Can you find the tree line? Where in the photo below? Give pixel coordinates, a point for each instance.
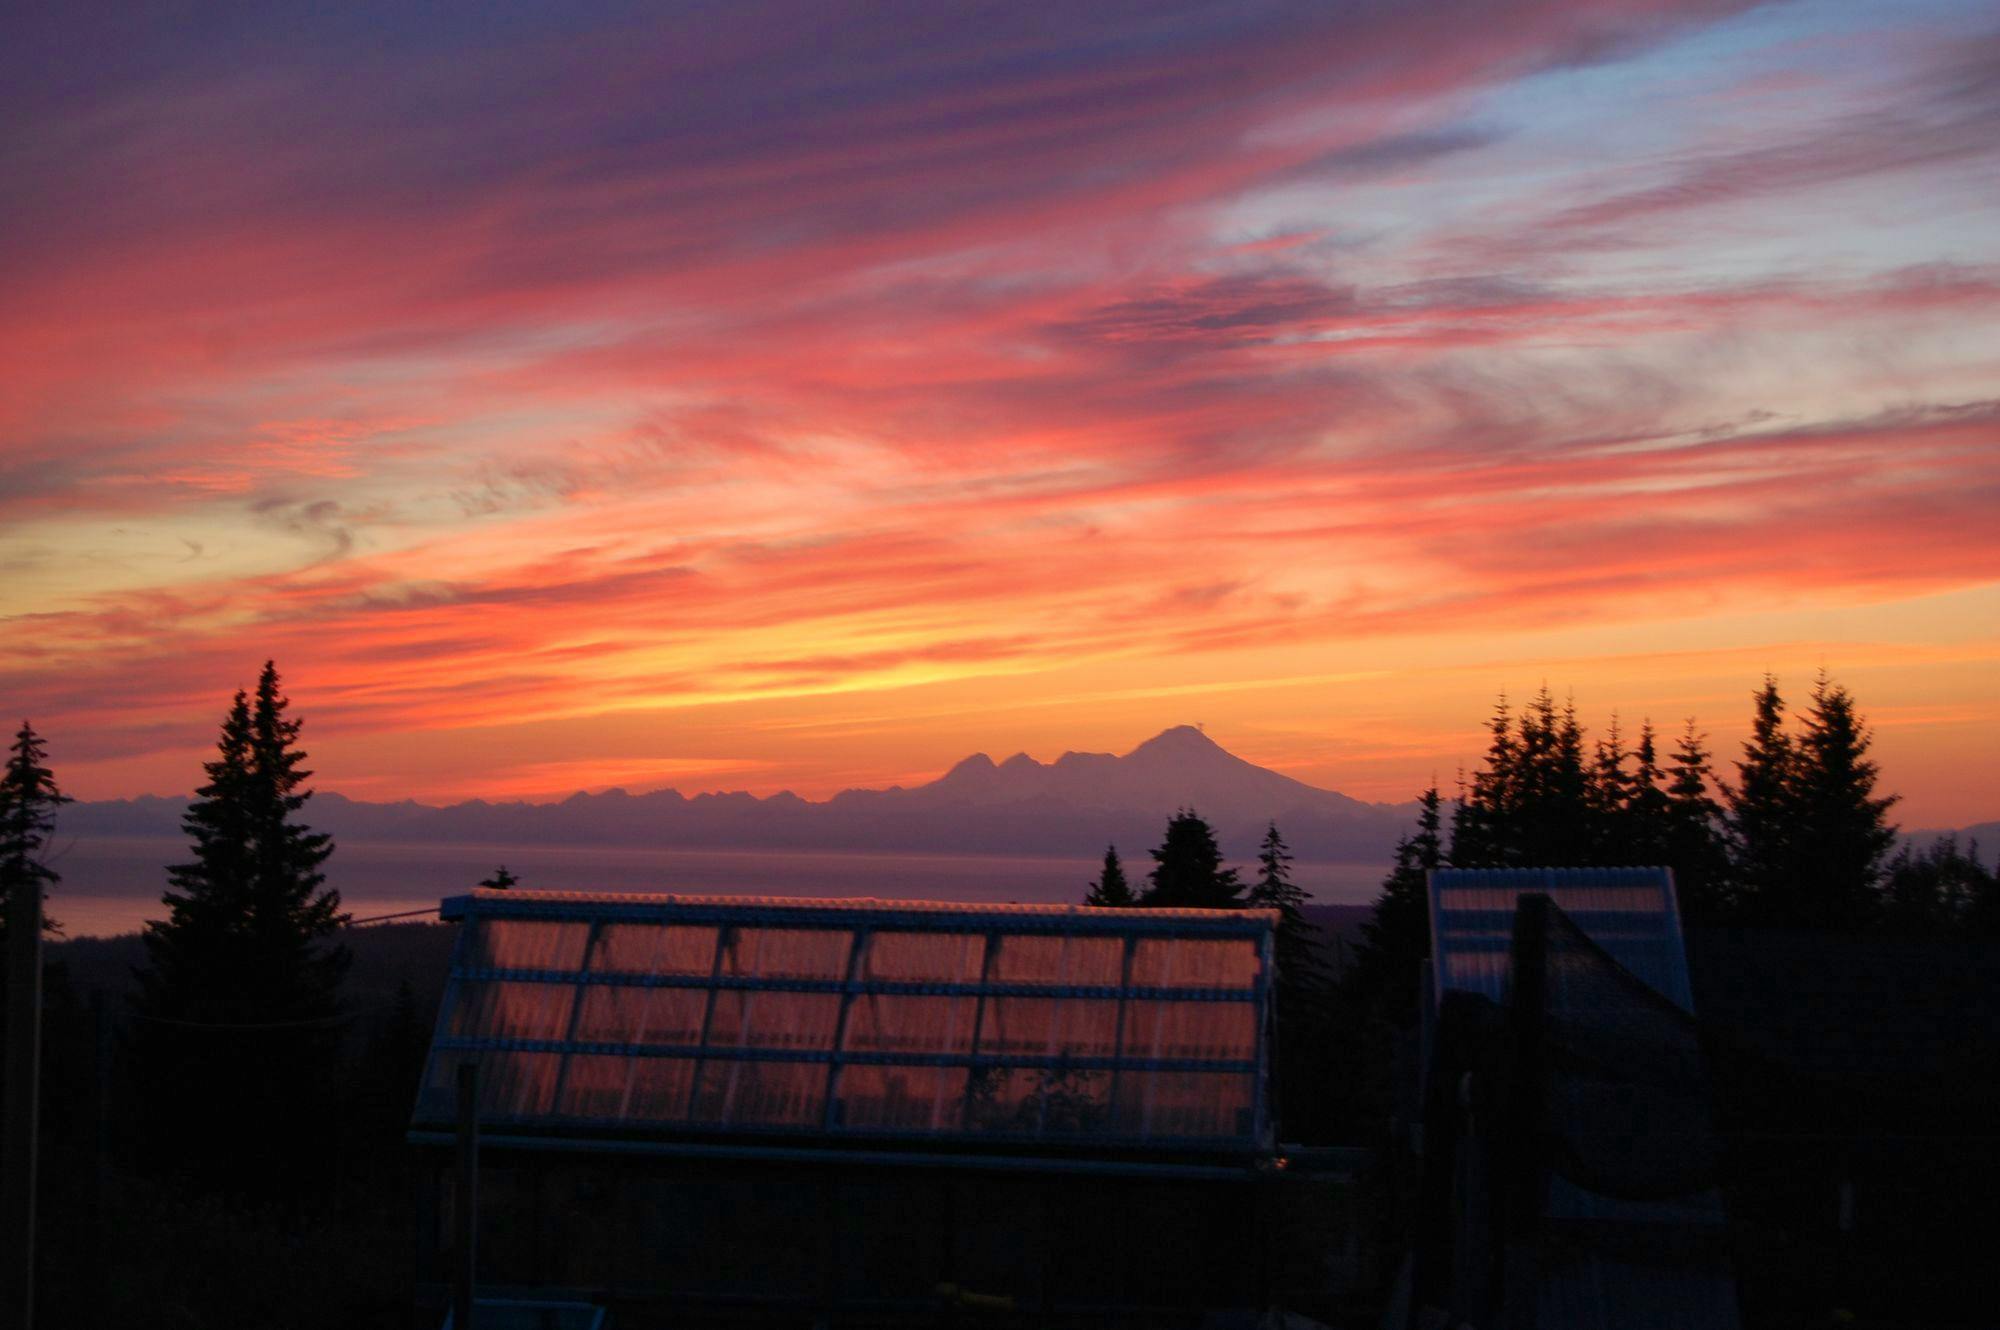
(1796, 835)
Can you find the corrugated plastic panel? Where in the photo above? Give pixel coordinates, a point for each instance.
(1630, 912)
(612, 1012)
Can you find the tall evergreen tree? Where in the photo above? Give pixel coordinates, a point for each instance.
(1566, 788)
(1763, 815)
(1842, 834)
(237, 1007)
(1301, 1049)
(1396, 937)
(28, 802)
(1187, 868)
(1695, 848)
(1648, 820)
(1300, 967)
(1374, 1006)
(1110, 890)
(1483, 818)
(249, 916)
(1980, 916)
(1936, 891)
(1609, 796)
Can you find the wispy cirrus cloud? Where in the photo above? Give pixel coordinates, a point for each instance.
(567, 367)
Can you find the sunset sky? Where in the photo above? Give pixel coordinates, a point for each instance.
(806, 396)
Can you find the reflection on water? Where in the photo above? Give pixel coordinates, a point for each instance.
(112, 884)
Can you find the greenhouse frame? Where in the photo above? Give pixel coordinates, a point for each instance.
(616, 1017)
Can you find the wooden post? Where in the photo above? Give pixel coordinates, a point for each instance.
(24, 1065)
(465, 1198)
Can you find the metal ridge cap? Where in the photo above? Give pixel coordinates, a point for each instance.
(480, 901)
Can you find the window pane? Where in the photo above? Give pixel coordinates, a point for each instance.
(653, 949)
(1089, 1027)
(1195, 963)
(741, 1093)
(628, 1014)
(595, 1086)
(1223, 1030)
(660, 1089)
(1037, 1101)
(895, 1023)
(1029, 958)
(528, 944)
(914, 1098)
(512, 1010)
(517, 1085)
(749, 1018)
(1019, 1026)
(924, 958)
(1184, 1103)
(1093, 961)
(788, 953)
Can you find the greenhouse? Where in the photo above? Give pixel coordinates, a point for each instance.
(596, 1016)
(1630, 912)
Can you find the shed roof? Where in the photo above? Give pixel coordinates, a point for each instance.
(1630, 912)
(671, 1015)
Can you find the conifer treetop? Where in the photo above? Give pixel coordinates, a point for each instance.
(249, 914)
(1111, 890)
(29, 798)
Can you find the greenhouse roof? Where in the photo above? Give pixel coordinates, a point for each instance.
(1630, 912)
(699, 1016)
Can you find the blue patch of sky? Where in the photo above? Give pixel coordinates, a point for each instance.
(1776, 76)
(1637, 119)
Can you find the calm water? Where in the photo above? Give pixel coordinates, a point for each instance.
(112, 884)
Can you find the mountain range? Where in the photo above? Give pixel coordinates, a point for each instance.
(1074, 805)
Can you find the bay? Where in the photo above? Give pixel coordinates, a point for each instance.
(112, 884)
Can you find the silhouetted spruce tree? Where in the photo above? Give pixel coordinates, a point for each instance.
(1187, 869)
(237, 1008)
(1609, 797)
(1374, 1005)
(1483, 816)
(1648, 822)
(1301, 970)
(1110, 890)
(1554, 817)
(1842, 835)
(1396, 937)
(1980, 916)
(500, 880)
(1763, 817)
(1935, 891)
(28, 802)
(1300, 1046)
(1695, 848)
(1530, 805)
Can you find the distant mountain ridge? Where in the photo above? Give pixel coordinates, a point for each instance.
(1074, 805)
